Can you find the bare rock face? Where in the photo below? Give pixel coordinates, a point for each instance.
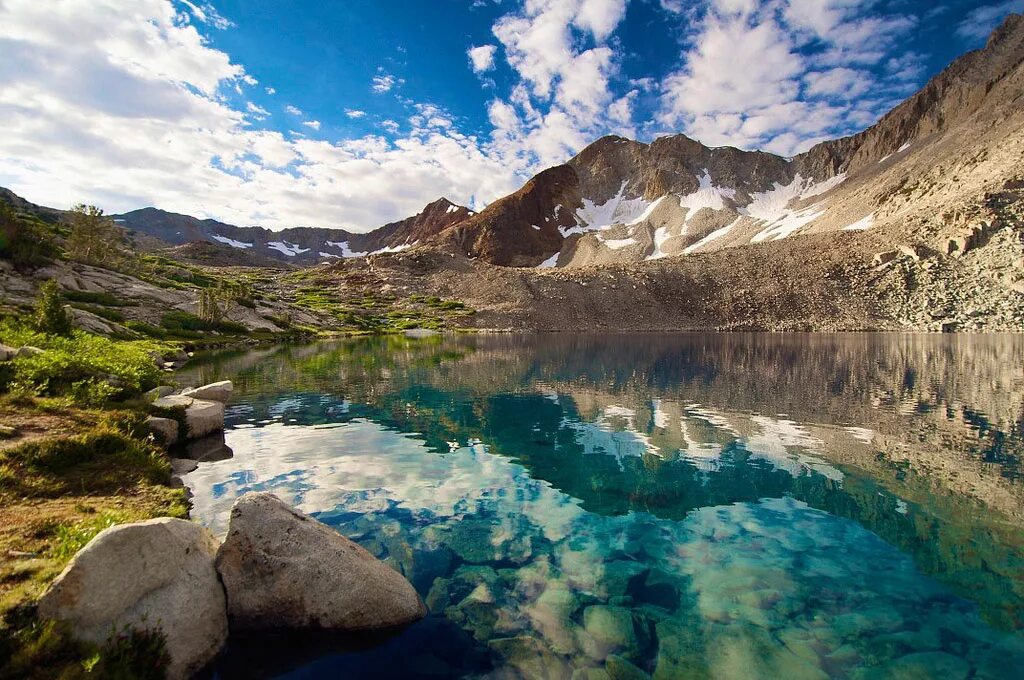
(155, 574)
(218, 391)
(283, 569)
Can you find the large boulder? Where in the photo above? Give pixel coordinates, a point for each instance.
(283, 569)
(165, 428)
(201, 416)
(218, 391)
(157, 574)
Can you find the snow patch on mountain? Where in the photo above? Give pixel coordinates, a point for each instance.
(707, 195)
(550, 262)
(285, 248)
(772, 206)
(861, 224)
(616, 210)
(231, 242)
(716, 234)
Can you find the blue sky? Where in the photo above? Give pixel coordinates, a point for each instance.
(358, 112)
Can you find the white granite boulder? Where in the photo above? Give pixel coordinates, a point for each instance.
(283, 569)
(218, 391)
(201, 416)
(157, 574)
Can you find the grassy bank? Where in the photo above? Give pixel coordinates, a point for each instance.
(75, 458)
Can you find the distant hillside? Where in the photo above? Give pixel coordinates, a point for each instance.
(299, 245)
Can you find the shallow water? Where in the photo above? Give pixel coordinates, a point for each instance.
(699, 505)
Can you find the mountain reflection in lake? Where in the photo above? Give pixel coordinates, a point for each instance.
(700, 505)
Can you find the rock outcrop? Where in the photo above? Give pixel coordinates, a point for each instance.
(283, 569)
(202, 417)
(157, 574)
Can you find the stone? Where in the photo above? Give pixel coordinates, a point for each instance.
(218, 391)
(910, 251)
(183, 466)
(158, 392)
(883, 258)
(924, 666)
(531, 657)
(157, 574)
(283, 569)
(612, 629)
(166, 429)
(8, 432)
(7, 353)
(27, 351)
(208, 449)
(621, 669)
(202, 417)
(957, 246)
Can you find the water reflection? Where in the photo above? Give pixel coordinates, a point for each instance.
(737, 505)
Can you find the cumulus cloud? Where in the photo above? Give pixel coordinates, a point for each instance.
(781, 75)
(982, 20)
(293, 110)
(382, 83)
(355, 113)
(481, 58)
(314, 124)
(124, 105)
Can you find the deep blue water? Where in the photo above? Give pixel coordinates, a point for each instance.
(699, 505)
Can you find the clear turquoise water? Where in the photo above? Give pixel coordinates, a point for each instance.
(698, 506)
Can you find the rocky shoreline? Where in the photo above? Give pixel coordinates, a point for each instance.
(277, 569)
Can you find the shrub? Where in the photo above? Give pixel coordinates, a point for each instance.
(24, 241)
(178, 321)
(88, 368)
(146, 329)
(88, 297)
(102, 312)
(50, 316)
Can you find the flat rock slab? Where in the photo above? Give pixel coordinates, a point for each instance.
(283, 569)
(218, 391)
(155, 574)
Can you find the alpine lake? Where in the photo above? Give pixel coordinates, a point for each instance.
(654, 505)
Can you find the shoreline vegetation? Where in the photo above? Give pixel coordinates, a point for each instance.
(76, 453)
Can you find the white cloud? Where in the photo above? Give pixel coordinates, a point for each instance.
(207, 14)
(781, 75)
(257, 111)
(314, 124)
(355, 113)
(293, 110)
(270, 90)
(481, 58)
(982, 20)
(123, 105)
(559, 104)
(383, 83)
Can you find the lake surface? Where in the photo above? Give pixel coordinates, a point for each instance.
(695, 506)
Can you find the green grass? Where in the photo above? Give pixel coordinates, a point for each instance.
(85, 368)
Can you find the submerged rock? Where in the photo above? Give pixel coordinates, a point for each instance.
(157, 574)
(283, 569)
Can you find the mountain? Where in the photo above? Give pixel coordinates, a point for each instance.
(626, 201)
(298, 245)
